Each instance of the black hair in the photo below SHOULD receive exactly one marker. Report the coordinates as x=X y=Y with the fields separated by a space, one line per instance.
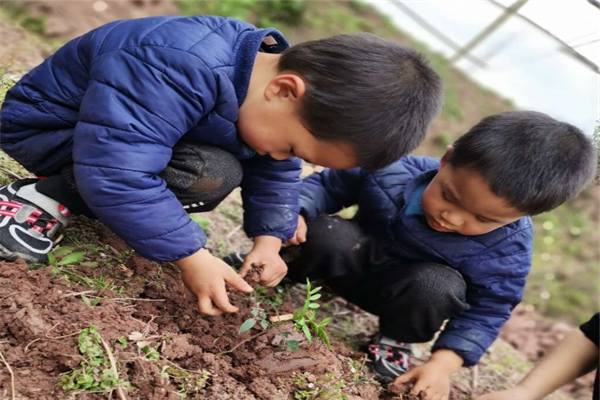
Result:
x=361 y=89
x=532 y=161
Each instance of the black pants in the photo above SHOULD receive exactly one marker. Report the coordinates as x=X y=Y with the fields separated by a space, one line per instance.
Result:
x=200 y=176
x=412 y=300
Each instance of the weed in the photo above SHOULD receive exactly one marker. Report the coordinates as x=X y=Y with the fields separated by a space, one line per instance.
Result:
x=328 y=388
x=90 y=302
x=123 y=341
x=187 y=382
x=95 y=374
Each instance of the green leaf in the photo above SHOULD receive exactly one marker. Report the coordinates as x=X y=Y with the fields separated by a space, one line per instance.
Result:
x=247 y=325
x=264 y=324
x=307 y=285
x=62 y=251
x=293 y=345
x=314 y=305
x=324 y=323
x=51 y=259
x=72 y=258
x=55 y=271
x=307 y=332
x=86 y=300
x=91 y=264
x=255 y=311
x=315 y=290
x=123 y=341
x=315 y=297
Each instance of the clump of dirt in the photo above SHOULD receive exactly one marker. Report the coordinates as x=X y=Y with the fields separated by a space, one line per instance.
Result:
x=404 y=391
x=534 y=336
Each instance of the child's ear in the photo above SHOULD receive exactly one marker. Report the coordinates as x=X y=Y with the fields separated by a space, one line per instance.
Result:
x=444 y=160
x=286 y=87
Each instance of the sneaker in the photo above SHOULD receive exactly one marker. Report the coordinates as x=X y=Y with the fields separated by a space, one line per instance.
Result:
x=235 y=260
x=28 y=221
x=389 y=358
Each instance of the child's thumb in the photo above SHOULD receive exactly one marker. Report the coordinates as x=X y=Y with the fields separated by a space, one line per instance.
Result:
x=404 y=378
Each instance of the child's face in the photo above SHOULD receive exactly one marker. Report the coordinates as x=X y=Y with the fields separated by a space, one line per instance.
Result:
x=459 y=200
x=269 y=122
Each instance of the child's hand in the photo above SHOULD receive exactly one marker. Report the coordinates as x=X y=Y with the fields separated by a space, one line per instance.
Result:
x=265 y=254
x=433 y=377
x=205 y=276
x=510 y=394
x=300 y=235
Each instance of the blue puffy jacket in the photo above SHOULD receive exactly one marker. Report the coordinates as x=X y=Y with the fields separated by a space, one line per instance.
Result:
x=119 y=97
x=493 y=265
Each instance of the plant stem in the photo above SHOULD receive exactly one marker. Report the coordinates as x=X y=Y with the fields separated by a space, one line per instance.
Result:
x=113 y=365
x=241 y=343
x=12 y=376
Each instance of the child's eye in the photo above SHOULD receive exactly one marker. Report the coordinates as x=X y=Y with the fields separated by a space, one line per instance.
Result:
x=484 y=220
x=446 y=197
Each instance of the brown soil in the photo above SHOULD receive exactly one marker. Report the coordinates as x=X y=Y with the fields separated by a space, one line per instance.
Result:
x=534 y=336
x=41 y=316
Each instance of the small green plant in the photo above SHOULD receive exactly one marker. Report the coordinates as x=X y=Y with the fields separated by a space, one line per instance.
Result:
x=358 y=376
x=259 y=316
x=305 y=318
x=123 y=341
x=96 y=373
x=328 y=388
x=150 y=352
x=90 y=302
x=187 y=382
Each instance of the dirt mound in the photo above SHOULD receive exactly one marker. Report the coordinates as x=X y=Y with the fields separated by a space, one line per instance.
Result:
x=161 y=344
x=534 y=336
x=69 y=19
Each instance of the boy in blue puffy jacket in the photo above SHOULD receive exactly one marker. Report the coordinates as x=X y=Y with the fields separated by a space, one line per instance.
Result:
x=139 y=122
x=438 y=240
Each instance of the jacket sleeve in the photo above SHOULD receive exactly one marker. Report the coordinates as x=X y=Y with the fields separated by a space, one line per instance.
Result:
x=270 y=191
x=329 y=191
x=491 y=302
x=139 y=103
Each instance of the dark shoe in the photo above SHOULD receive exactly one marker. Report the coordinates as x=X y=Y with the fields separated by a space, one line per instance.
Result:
x=235 y=260
x=28 y=221
x=389 y=358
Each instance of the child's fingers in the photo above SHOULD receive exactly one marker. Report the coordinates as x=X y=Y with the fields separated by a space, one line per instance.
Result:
x=206 y=307
x=420 y=386
x=237 y=282
x=405 y=378
x=221 y=300
x=301 y=233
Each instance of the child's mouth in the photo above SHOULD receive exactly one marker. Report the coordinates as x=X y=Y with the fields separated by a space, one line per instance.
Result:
x=436 y=225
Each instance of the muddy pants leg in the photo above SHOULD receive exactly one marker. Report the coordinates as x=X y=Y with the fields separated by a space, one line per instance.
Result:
x=412 y=300
x=201 y=176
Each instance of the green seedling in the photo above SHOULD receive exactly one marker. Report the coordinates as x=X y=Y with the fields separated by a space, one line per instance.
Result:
x=305 y=318
x=90 y=302
x=95 y=374
x=259 y=316
x=187 y=382
x=328 y=388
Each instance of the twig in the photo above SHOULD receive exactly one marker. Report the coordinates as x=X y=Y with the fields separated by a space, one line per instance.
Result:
x=133 y=299
x=8 y=295
x=113 y=365
x=59 y=239
x=9 y=172
x=59 y=337
x=30 y=343
x=12 y=376
x=475 y=380
x=73 y=294
x=241 y=343
x=233 y=231
x=281 y=318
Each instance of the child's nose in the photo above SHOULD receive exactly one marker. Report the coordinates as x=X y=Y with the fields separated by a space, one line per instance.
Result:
x=453 y=218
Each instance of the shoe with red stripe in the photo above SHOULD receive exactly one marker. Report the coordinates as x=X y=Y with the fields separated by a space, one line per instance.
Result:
x=28 y=222
x=389 y=358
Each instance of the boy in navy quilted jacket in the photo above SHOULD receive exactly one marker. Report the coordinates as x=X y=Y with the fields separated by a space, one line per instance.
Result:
x=140 y=122
x=438 y=240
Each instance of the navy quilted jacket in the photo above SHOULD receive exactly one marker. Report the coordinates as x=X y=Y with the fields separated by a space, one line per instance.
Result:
x=119 y=97
x=493 y=265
